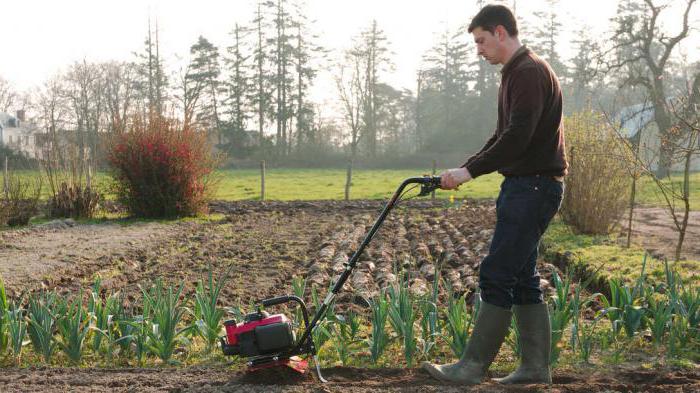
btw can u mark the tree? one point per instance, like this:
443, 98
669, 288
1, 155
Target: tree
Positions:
53, 111
84, 90
304, 49
444, 91
281, 48
351, 84
7, 95
237, 87
373, 47
189, 92
152, 82
204, 71
546, 36
261, 96
583, 70
641, 54
119, 94
395, 119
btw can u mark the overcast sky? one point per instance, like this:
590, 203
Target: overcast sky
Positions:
41, 37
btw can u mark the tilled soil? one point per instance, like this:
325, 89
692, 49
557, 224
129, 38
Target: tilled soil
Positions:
341, 379
264, 245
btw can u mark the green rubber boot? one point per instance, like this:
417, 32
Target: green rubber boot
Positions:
535, 337
490, 329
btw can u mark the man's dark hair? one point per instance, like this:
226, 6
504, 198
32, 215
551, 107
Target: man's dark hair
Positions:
493, 15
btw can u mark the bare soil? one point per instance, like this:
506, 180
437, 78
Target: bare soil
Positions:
653, 228
265, 245
341, 379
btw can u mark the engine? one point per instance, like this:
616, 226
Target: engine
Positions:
259, 334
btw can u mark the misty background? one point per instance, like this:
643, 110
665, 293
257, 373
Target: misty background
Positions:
314, 84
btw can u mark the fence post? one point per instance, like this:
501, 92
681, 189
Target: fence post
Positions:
5, 186
432, 195
348, 181
262, 180
88, 175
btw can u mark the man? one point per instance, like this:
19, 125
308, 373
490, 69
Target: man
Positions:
527, 148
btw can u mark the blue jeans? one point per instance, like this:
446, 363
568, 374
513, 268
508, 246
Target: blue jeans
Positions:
524, 208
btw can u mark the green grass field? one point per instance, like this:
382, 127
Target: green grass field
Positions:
316, 184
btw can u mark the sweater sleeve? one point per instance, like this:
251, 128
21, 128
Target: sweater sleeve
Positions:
484, 148
526, 98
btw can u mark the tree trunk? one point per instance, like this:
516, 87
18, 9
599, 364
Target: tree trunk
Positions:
629, 222
348, 181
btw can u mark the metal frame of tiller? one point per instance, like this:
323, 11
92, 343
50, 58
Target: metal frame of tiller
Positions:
305, 345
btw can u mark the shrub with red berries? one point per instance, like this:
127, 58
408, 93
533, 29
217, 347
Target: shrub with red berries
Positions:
162, 169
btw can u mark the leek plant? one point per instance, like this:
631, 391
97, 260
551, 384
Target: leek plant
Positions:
167, 312
378, 338
402, 317
586, 333
430, 328
3, 318
458, 322
73, 328
298, 289
42, 323
16, 329
345, 331
322, 331
207, 314
102, 312
561, 312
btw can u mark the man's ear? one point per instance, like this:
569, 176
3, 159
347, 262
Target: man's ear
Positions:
501, 33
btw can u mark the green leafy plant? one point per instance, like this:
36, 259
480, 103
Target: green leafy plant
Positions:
403, 316
42, 323
345, 333
458, 322
166, 314
378, 338
323, 330
207, 314
661, 314
430, 328
561, 311
16, 329
73, 328
587, 334
3, 317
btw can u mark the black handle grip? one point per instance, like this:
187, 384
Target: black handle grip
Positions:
277, 300
429, 184
288, 298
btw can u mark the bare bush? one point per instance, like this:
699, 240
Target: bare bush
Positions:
20, 202
74, 201
598, 184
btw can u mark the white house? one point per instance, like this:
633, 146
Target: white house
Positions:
18, 134
639, 118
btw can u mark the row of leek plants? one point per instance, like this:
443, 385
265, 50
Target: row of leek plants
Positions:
420, 327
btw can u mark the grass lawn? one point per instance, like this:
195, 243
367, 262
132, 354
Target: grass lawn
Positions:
316, 184
605, 255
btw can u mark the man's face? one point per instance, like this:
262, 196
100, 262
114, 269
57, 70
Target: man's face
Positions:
488, 44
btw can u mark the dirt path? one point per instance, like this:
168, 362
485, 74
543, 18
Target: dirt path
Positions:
653, 228
31, 254
353, 380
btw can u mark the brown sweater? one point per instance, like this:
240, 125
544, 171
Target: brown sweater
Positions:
529, 137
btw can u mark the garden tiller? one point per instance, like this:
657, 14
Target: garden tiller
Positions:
269, 340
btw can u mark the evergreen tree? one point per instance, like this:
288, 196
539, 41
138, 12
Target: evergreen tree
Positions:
238, 88
205, 71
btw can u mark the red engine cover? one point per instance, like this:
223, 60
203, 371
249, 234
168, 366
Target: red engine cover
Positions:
232, 331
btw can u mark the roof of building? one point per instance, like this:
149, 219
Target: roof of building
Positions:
5, 119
